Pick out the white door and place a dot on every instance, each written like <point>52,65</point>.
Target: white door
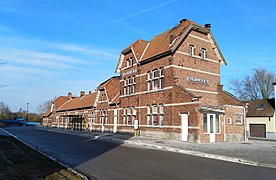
<point>115,120</point>
<point>184,127</point>
<point>211,121</point>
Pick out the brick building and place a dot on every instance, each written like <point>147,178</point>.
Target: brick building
<point>171,85</point>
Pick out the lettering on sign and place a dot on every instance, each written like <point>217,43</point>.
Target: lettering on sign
<point>198,80</point>
<point>130,72</point>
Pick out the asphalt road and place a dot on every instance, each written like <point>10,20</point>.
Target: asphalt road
<point>105,160</point>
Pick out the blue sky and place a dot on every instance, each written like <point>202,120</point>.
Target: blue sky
<point>52,47</point>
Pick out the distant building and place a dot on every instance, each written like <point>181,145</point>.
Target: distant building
<point>261,118</point>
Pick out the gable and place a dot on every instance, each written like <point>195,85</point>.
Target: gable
<point>268,109</point>
<point>167,43</point>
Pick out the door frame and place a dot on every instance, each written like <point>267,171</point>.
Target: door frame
<point>184,127</point>
<point>115,120</point>
<point>212,126</point>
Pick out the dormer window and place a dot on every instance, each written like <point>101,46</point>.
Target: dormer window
<point>260,107</point>
<point>129,62</point>
<point>203,53</point>
<point>191,50</point>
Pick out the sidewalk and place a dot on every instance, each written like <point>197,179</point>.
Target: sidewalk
<point>252,152</point>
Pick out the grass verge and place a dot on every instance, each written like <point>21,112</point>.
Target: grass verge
<point>18,161</point>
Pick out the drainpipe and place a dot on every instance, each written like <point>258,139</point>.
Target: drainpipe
<point>245,124</point>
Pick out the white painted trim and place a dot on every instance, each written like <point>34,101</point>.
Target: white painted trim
<point>206,59</point>
<point>128,67</point>
<point>145,92</point>
<point>134,56</point>
<point>144,52</point>
<point>202,91</point>
<point>194,70</point>
<point>182,104</point>
<point>115,96</point>
<point>193,127</point>
<point>196,37</point>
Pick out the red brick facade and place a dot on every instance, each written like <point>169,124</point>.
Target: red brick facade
<point>167,81</point>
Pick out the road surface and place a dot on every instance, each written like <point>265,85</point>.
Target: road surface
<point>104,160</point>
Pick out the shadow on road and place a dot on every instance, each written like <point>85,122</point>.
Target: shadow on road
<point>73,149</point>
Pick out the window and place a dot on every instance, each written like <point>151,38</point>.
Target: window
<point>260,107</point>
<point>238,118</point>
<point>133,84</point>
<point>162,78</point>
<point>155,79</point>
<point>229,120</point>
<point>104,97</point>
<point>217,124</point>
<point>125,88</point>
<point>205,123</point>
<point>124,116</point>
<point>148,115</point>
<point>154,115</point>
<point>148,120</point>
<point>211,123</point>
<point>129,115</point>
<point>106,117</point>
<point>191,50</point>
<point>149,81</point>
<point>129,62</point>
<point>130,86</point>
<point>161,115</point>
<point>203,53</point>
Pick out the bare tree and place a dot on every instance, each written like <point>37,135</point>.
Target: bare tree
<point>44,107</point>
<point>5,111</point>
<point>256,86</point>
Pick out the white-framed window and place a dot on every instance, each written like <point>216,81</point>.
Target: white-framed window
<point>125,87</point>
<point>129,62</point>
<point>148,119</point>
<point>203,53</point>
<point>124,116</point>
<point>191,50</point>
<point>148,115</point>
<point>161,114</point>
<point>130,80</point>
<point>229,120</point>
<point>129,116</point>
<point>133,84</point>
<point>211,123</point>
<point>106,117</point>
<point>149,81</point>
<point>162,78</point>
<point>154,115</point>
<point>238,118</point>
<point>155,80</point>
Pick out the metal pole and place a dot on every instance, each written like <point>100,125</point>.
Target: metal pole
<point>27,112</point>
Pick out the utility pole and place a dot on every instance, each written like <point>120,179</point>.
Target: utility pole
<point>27,112</point>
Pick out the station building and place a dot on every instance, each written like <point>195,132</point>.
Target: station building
<point>171,85</point>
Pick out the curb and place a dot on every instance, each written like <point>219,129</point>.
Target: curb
<point>64,165</point>
<point>195,153</point>
<point>187,152</point>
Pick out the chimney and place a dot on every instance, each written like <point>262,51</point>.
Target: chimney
<point>90,92</point>
<point>207,26</point>
<point>172,37</point>
<point>69,95</point>
<point>220,88</point>
<point>182,20</point>
<point>82,93</point>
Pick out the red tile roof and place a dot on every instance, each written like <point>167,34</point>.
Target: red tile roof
<point>87,101</point>
<point>112,87</point>
<point>268,109</point>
